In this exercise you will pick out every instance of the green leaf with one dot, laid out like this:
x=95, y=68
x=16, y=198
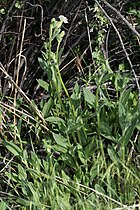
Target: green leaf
x=13, y=148
x=59, y=149
x=54, y=75
x=89, y=148
x=111, y=138
x=81, y=154
x=121, y=66
x=43, y=64
x=73, y=126
x=55, y=119
x=124, y=97
x=24, y=202
x=47, y=107
x=12, y=176
x=34, y=192
x=93, y=171
x=112, y=154
x=60, y=140
x=135, y=12
x=43, y=84
x=44, y=110
x=128, y=131
x=3, y=205
x=64, y=175
x=105, y=128
x=79, y=174
x=76, y=96
x=21, y=172
x=107, y=77
x=70, y=160
x=124, y=108
x=36, y=161
x=138, y=125
x=122, y=116
x=99, y=189
x=89, y=96
x=121, y=82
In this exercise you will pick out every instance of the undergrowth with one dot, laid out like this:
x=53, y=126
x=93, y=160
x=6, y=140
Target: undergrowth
x=72, y=150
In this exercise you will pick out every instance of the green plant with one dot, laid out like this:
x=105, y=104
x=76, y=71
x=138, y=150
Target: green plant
x=72, y=150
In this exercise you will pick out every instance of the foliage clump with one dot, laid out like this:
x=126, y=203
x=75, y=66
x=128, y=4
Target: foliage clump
x=69, y=108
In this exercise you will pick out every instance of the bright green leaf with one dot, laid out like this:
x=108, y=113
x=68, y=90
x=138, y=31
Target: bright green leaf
x=12, y=176
x=43, y=84
x=60, y=140
x=128, y=132
x=89, y=96
x=43, y=64
x=47, y=107
x=3, y=205
x=112, y=154
x=12, y=147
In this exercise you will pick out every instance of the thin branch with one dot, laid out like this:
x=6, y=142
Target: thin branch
x=62, y=180
x=69, y=30
x=88, y=31
x=41, y=22
x=124, y=49
x=129, y=207
x=34, y=107
x=6, y=166
x=22, y=114
x=17, y=72
x=6, y=19
x=89, y=37
x=123, y=18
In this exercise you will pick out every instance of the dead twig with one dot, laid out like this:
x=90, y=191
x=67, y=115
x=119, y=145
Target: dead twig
x=89, y=38
x=41, y=22
x=33, y=106
x=69, y=30
x=123, y=47
x=123, y=18
x=6, y=19
x=128, y=207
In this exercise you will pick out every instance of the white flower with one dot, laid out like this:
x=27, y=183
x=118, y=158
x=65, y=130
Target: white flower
x=63, y=18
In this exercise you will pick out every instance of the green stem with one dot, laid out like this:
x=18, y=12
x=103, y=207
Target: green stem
x=50, y=42
x=66, y=91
